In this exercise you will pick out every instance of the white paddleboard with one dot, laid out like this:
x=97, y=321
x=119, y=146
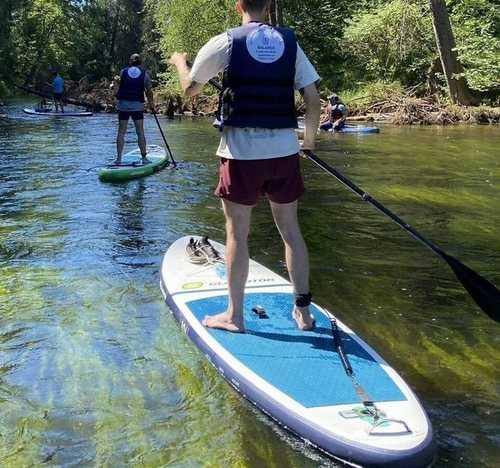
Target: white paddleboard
x=296, y=377
x=57, y=114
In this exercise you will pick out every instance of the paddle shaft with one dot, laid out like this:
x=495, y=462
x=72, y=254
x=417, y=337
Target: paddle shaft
x=369, y=199
x=164, y=138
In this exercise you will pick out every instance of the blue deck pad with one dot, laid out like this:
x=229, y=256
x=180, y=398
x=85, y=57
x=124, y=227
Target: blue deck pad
x=303, y=365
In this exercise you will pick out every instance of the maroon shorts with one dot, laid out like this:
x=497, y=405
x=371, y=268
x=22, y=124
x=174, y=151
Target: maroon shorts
x=243, y=181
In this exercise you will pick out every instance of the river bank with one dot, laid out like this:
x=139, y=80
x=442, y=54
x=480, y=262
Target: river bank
x=396, y=107
x=397, y=110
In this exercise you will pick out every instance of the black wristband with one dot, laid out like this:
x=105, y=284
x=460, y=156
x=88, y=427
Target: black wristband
x=303, y=300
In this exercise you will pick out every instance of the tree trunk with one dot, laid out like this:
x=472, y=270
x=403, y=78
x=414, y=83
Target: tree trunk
x=114, y=32
x=445, y=41
x=275, y=16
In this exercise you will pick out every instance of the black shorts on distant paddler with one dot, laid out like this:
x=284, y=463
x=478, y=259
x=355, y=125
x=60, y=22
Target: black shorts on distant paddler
x=136, y=115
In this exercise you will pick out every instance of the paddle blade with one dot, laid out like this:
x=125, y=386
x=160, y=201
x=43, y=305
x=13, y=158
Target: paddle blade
x=486, y=295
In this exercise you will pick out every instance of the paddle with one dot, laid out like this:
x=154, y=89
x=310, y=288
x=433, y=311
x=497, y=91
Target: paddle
x=164, y=139
x=484, y=293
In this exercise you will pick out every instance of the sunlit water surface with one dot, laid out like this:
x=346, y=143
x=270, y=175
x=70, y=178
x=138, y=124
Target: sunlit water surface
x=95, y=372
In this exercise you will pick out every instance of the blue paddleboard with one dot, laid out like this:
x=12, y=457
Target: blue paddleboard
x=356, y=129
x=348, y=128
x=297, y=377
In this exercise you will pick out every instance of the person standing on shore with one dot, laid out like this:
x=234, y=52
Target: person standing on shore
x=134, y=83
x=263, y=66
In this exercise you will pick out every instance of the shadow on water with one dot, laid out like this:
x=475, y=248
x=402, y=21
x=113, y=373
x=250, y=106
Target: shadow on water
x=94, y=370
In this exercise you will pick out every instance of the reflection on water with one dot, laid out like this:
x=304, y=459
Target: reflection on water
x=93, y=369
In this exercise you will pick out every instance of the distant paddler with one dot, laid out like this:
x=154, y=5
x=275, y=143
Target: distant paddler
x=135, y=82
x=58, y=90
x=337, y=114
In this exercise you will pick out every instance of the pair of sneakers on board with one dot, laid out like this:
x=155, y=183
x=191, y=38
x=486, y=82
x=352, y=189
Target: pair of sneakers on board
x=201, y=252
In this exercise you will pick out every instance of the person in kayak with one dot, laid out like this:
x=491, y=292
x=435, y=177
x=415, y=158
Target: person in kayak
x=258, y=151
x=58, y=90
x=337, y=114
x=134, y=83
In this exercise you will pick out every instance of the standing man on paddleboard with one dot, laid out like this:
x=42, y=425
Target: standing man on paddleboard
x=58, y=90
x=134, y=83
x=263, y=66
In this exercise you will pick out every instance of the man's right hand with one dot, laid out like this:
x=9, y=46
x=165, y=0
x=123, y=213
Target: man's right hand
x=308, y=144
x=178, y=59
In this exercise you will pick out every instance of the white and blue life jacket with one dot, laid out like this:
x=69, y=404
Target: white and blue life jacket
x=132, y=84
x=258, y=84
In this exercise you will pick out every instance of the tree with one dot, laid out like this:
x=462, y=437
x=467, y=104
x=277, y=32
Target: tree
x=390, y=42
x=445, y=41
x=275, y=16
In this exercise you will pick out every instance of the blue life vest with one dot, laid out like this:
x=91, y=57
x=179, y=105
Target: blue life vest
x=132, y=88
x=258, y=84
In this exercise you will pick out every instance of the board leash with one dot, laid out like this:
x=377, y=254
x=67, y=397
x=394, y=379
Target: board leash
x=370, y=409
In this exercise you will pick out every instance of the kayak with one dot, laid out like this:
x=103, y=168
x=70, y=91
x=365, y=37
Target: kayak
x=298, y=377
x=132, y=166
x=57, y=114
x=346, y=129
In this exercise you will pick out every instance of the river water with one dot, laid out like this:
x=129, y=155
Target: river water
x=95, y=372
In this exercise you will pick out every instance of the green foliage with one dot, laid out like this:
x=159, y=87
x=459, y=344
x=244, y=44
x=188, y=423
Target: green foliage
x=391, y=41
x=186, y=26
x=39, y=30
x=477, y=29
x=368, y=93
x=4, y=90
x=7, y=53
x=91, y=38
x=351, y=43
x=319, y=28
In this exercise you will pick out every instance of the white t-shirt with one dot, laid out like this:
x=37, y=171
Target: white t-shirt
x=250, y=143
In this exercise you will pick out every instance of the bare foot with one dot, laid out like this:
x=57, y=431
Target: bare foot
x=305, y=321
x=223, y=322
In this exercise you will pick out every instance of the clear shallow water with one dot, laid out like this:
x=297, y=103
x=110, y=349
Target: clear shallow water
x=95, y=372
